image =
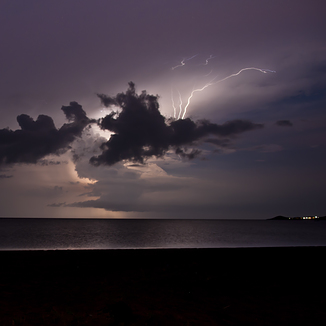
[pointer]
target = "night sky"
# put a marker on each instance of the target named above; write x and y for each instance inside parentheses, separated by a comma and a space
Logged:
(95, 118)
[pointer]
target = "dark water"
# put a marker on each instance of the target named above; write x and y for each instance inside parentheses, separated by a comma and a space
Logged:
(32, 234)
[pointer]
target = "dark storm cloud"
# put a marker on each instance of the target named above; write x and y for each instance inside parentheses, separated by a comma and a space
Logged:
(140, 131)
(183, 153)
(284, 123)
(45, 162)
(39, 138)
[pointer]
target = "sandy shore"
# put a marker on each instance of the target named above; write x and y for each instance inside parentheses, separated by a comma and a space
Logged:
(256, 286)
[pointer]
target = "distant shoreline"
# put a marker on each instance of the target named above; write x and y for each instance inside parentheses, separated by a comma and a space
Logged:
(283, 218)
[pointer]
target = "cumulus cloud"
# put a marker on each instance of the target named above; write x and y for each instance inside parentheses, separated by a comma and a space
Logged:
(46, 162)
(39, 138)
(140, 131)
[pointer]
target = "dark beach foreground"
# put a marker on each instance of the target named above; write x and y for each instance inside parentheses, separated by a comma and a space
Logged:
(245, 286)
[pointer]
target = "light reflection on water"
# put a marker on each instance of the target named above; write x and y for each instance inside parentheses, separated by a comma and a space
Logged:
(32, 234)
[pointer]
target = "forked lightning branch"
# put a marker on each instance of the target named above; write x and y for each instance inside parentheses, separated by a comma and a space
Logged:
(180, 109)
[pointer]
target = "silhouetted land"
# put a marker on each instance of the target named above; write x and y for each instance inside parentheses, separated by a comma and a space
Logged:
(256, 286)
(280, 218)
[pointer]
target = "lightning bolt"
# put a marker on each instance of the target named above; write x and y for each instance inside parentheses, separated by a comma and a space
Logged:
(267, 70)
(173, 104)
(214, 82)
(209, 58)
(183, 62)
(180, 105)
(172, 100)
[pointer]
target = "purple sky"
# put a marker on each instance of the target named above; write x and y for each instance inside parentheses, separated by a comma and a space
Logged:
(261, 151)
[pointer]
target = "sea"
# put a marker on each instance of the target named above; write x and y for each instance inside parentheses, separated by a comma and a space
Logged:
(74, 234)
